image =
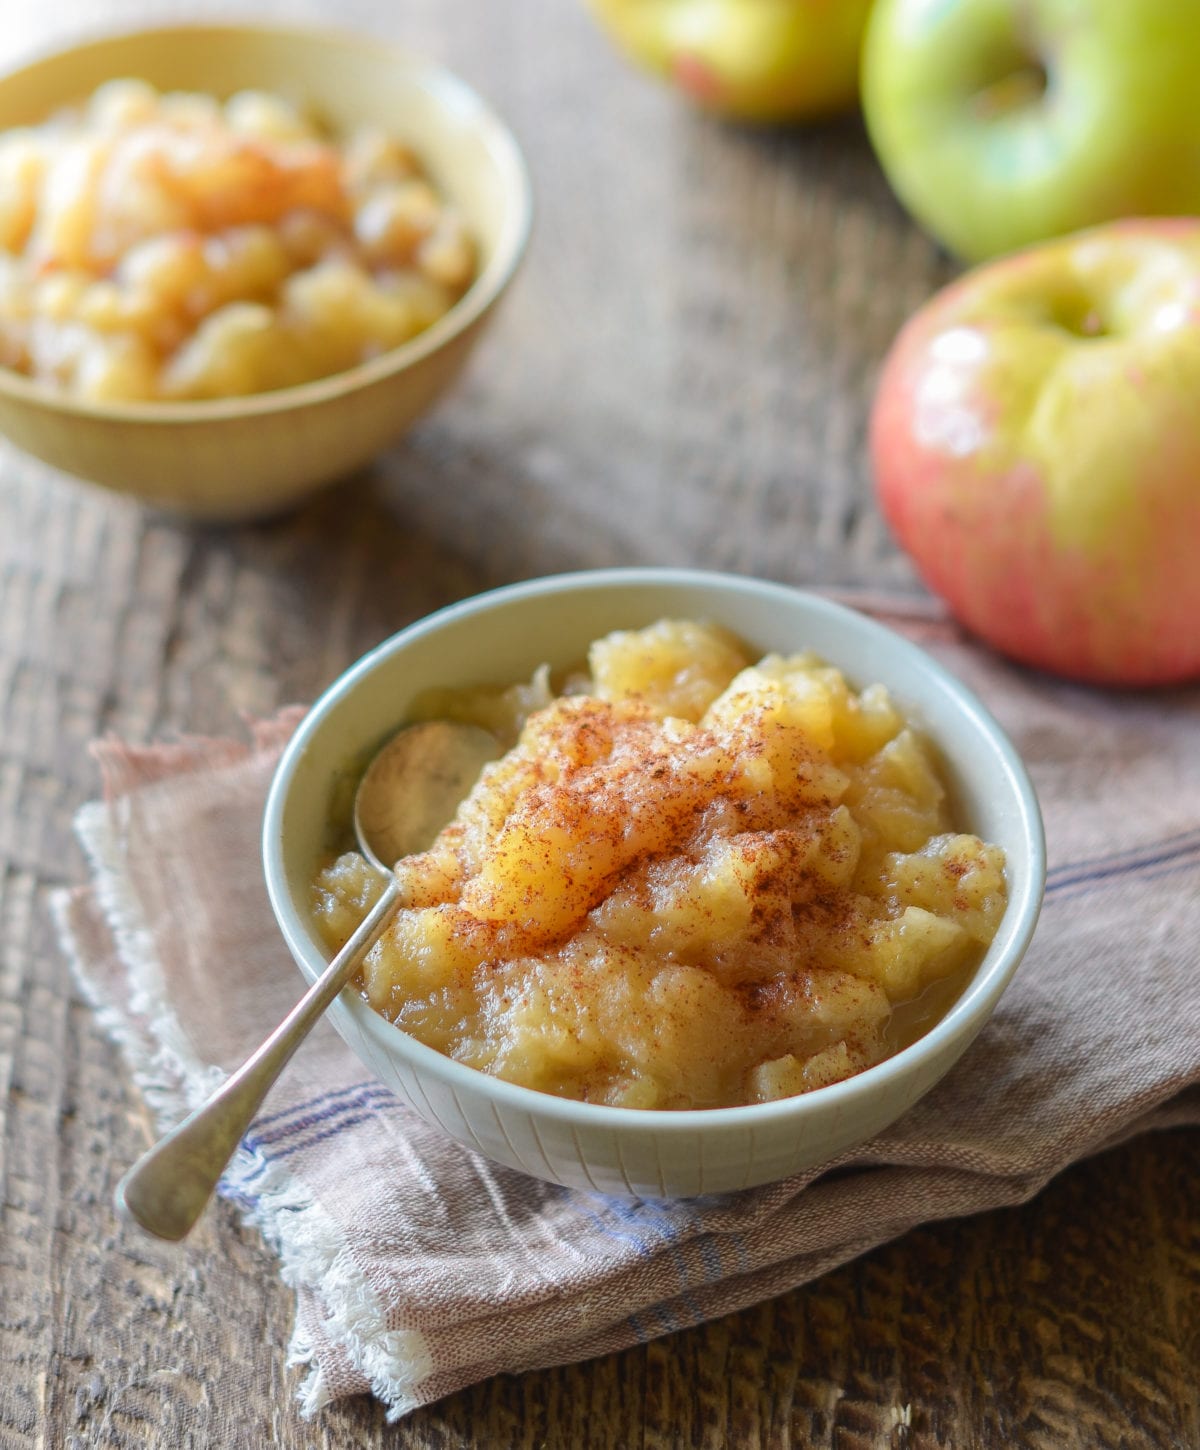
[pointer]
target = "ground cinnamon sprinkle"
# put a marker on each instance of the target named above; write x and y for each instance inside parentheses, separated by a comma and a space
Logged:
(692, 882)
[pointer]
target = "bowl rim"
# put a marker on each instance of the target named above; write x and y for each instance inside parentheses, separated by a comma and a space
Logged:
(452, 92)
(968, 1013)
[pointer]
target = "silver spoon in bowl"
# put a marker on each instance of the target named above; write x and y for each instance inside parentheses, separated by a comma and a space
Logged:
(410, 790)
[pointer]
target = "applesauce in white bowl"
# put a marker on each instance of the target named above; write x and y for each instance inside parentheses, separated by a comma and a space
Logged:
(502, 638)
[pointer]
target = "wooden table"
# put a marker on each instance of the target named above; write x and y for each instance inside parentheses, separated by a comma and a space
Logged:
(682, 376)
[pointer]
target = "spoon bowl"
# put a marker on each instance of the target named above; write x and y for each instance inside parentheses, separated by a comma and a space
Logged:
(392, 817)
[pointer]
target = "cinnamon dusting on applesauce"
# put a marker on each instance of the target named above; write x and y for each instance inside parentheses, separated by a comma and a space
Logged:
(692, 882)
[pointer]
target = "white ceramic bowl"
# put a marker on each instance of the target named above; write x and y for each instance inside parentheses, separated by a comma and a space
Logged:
(500, 637)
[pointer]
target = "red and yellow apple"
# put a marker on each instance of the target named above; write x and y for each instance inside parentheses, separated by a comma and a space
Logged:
(1035, 439)
(755, 60)
(1005, 122)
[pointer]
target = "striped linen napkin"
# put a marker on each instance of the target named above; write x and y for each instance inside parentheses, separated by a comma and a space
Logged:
(419, 1268)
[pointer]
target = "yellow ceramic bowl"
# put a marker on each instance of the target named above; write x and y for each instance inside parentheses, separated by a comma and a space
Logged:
(241, 458)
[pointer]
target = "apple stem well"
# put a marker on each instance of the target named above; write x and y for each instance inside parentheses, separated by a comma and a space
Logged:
(1079, 316)
(1026, 86)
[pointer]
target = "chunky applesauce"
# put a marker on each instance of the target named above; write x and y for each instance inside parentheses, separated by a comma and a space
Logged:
(175, 247)
(693, 881)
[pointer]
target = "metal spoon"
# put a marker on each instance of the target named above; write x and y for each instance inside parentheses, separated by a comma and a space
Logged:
(407, 794)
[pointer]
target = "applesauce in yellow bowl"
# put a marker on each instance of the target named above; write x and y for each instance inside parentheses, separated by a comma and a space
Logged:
(237, 261)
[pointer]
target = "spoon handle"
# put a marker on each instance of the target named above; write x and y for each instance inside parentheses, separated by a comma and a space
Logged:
(166, 1189)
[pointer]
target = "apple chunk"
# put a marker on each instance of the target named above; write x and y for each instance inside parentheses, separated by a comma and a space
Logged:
(1035, 440)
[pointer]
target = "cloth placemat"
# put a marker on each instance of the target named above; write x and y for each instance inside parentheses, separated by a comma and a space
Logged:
(420, 1268)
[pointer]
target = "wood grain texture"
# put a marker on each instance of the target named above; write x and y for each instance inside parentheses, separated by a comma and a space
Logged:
(681, 376)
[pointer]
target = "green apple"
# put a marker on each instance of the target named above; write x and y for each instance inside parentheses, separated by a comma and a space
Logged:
(755, 60)
(1035, 439)
(1005, 122)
